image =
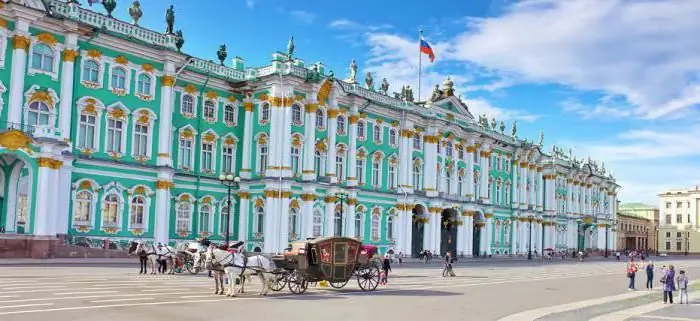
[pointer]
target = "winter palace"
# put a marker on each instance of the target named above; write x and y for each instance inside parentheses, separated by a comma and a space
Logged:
(110, 132)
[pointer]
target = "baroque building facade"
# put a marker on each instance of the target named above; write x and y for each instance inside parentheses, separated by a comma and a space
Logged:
(679, 228)
(111, 133)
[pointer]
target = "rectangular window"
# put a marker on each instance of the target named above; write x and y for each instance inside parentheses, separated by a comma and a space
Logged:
(227, 166)
(392, 177)
(668, 204)
(668, 246)
(115, 129)
(140, 140)
(668, 218)
(86, 132)
(668, 234)
(679, 246)
(375, 173)
(679, 218)
(185, 154)
(679, 204)
(207, 156)
(360, 168)
(678, 234)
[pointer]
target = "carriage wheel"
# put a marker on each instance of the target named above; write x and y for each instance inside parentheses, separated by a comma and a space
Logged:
(189, 265)
(296, 283)
(368, 278)
(279, 281)
(339, 285)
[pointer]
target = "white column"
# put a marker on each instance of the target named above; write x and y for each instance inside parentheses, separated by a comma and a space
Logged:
(285, 139)
(67, 71)
(455, 178)
(601, 237)
(351, 160)
(469, 180)
(247, 143)
(485, 170)
(514, 186)
(406, 158)
(243, 215)
(524, 230)
(64, 194)
(161, 228)
(533, 187)
(309, 172)
(540, 189)
(330, 157)
(307, 212)
(271, 216)
(349, 219)
(283, 222)
(17, 73)
(330, 216)
(165, 121)
(470, 234)
(430, 156)
(523, 185)
(482, 240)
(442, 173)
(489, 232)
(569, 193)
(461, 237)
(44, 222)
(513, 234)
(274, 161)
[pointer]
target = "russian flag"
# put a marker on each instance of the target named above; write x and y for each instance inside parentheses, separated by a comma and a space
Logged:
(426, 49)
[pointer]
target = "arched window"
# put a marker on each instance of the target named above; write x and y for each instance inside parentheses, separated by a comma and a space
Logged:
(390, 228)
(294, 223)
(262, 156)
(361, 129)
(91, 71)
(340, 121)
(140, 139)
(360, 169)
(183, 218)
(320, 162)
(320, 119)
(490, 187)
(265, 113)
(374, 227)
(228, 153)
(38, 114)
(209, 110)
(448, 149)
(417, 175)
(392, 137)
(338, 222)
(340, 166)
(498, 192)
(259, 220)
(391, 177)
(42, 57)
(317, 223)
(224, 218)
(358, 225)
(204, 218)
(137, 212)
(296, 114)
(86, 131)
(82, 214)
(229, 114)
(110, 210)
(377, 133)
(119, 78)
(143, 84)
(187, 105)
(296, 160)
(416, 141)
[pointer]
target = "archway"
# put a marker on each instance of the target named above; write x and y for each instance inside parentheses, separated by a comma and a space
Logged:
(16, 190)
(476, 233)
(448, 231)
(417, 229)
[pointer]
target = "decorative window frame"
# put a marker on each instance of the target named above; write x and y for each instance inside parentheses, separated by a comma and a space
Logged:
(381, 133)
(393, 133)
(85, 185)
(294, 207)
(108, 189)
(119, 112)
(48, 97)
(221, 204)
(302, 114)
(419, 137)
(186, 199)
(360, 210)
(376, 212)
(228, 140)
(315, 210)
(4, 35)
(146, 69)
(143, 116)
(188, 91)
(392, 161)
(209, 137)
(259, 203)
(362, 137)
(361, 155)
(207, 200)
(211, 120)
(235, 114)
(341, 129)
(147, 193)
(324, 122)
(261, 140)
(114, 63)
(377, 157)
(50, 41)
(97, 57)
(186, 133)
(391, 228)
(93, 106)
(261, 107)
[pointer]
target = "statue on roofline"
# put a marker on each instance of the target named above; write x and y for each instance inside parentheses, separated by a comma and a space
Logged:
(353, 72)
(385, 86)
(179, 40)
(290, 48)
(503, 127)
(170, 20)
(437, 93)
(135, 12)
(541, 138)
(222, 54)
(369, 81)
(514, 129)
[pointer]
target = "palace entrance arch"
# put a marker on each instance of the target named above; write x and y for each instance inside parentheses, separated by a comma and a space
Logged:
(448, 231)
(418, 221)
(16, 190)
(476, 233)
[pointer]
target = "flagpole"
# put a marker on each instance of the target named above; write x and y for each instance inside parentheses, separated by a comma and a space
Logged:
(420, 59)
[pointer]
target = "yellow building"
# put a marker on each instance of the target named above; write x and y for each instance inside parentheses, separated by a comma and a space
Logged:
(638, 226)
(679, 232)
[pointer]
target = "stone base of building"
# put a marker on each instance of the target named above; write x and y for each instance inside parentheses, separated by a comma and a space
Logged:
(44, 247)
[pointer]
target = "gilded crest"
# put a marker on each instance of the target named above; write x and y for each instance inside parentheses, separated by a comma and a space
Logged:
(14, 139)
(47, 38)
(190, 89)
(121, 60)
(94, 53)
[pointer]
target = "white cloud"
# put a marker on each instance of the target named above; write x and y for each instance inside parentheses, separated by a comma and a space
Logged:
(645, 51)
(347, 24)
(303, 16)
(600, 111)
(481, 106)
(250, 3)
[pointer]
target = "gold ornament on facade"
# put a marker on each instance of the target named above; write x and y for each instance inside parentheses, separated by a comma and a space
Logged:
(296, 141)
(49, 163)
(325, 91)
(14, 139)
(321, 146)
(294, 204)
(231, 99)
(209, 137)
(532, 166)
(248, 106)
(143, 118)
(352, 201)
(42, 96)
(190, 89)
(330, 199)
(353, 119)
(82, 228)
(94, 53)
(137, 231)
(47, 38)
(90, 109)
(259, 202)
(69, 55)
(244, 195)
(310, 108)
(184, 198)
(3, 22)
(187, 133)
(263, 97)
(110, 230)
(361, 154)
(333, 113)
(212, 95)
(377, 156)
(168, 81)
(308, 197)
(229, 141)
(165, 185)
(140, 190)
(262, 140)
(488, 215)
(121, 60)
(85, 185)
(206, 200)
(20, 42)
(147, 68)
(117, 113)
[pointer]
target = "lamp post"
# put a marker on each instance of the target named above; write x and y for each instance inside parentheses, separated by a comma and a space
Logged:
(342, 197)
(687, 243)
(230, 181)
(530, 218)
(607, 224)
(656, 228)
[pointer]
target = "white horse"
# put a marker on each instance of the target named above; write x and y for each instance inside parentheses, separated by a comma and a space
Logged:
(217, 271)
(237, 266)
(152, 255)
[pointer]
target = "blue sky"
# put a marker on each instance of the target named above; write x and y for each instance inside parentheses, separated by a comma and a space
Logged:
(616, 80)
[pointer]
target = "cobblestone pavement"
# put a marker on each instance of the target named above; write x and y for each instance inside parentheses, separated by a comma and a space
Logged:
(478, 293)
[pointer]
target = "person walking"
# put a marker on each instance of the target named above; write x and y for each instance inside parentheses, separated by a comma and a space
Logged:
(683, 287)
(386, 268)
(162, 263)
(448, 266)
(650, 276)
(669, 284)
(617, 256)
(631, 273)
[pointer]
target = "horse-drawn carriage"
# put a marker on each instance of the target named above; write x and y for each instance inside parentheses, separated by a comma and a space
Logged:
(332, 259)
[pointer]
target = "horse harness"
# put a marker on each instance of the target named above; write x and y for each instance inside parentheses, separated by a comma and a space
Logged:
(243, 268)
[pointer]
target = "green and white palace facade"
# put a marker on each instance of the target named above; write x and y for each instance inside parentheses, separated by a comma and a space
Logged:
(109, 132)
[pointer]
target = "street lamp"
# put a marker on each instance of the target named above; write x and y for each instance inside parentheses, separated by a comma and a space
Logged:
(342, 197)
(529, 239)
(230, 181)
(607, 219)
(687, 243)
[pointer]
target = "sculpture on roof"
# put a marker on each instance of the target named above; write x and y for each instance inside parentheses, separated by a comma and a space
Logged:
(109, 6)
(514, 129)
(541, 138)
(385, 86)
(290, 48)
(398, 96)
(448, 87)
(331, 76)
(47, 6)
(602, 167)
(503, 127)
(221, 54)
(179, 40)
(570, 154)
(369, 81)
(170, 20)
(353, 73)
(493, 123)
(437, 93)
(135, 12)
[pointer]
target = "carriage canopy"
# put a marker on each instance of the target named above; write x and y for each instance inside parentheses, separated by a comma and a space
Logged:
(333, 258)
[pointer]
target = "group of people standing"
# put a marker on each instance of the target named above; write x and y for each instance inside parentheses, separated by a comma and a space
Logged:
(670, 282)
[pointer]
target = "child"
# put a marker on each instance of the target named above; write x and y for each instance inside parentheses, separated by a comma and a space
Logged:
(683, 286)
(382, 278)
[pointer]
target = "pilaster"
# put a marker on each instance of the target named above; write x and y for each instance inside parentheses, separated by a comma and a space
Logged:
(248, 107)
(349, 219)
(309, 172)
(165, 129)
(430, 177)
(164, 184)
(271, 220)
(469, 179)
(489, 232)
(20, 43)
(330, 214)
(64, 194)
(406, 157)
(485, 155)
(332, 132)
(352, 146)
(243, 214)
(69, 54)
(307, 211)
